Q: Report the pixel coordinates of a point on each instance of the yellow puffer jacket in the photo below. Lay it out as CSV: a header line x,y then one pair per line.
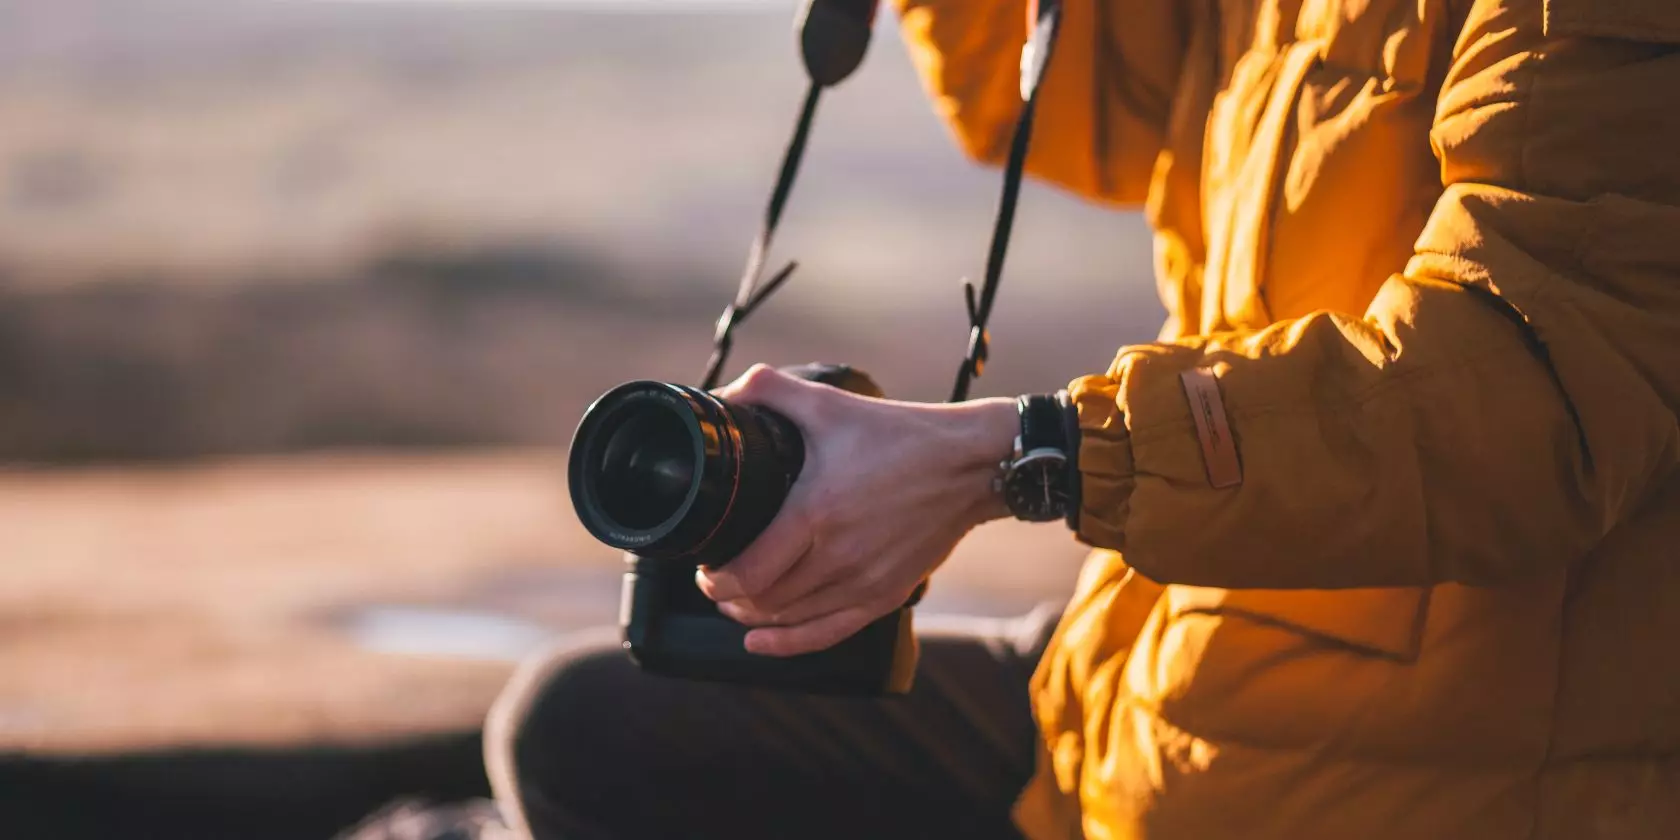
x,y
1428,254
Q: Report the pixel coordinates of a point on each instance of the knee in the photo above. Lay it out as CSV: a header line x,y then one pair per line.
x,y
536,738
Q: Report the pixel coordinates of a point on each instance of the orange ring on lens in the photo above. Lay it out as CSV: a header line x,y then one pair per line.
x,y
735,482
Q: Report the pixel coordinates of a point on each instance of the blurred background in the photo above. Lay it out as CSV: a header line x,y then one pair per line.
x,y
300,301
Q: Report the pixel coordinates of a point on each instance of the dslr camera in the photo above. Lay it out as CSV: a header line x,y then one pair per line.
x,y
681,479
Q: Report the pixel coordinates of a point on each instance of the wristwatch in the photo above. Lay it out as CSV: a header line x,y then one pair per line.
x,y
1038,480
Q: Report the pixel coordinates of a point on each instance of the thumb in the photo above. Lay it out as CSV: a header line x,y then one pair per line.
x,y
769,387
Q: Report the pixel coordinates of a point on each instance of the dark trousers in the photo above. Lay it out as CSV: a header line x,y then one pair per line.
x,y
584,746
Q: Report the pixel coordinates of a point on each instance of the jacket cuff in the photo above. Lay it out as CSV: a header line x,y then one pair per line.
x,y
1103,460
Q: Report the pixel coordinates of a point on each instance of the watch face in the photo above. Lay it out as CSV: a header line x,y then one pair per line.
x,y
1035,489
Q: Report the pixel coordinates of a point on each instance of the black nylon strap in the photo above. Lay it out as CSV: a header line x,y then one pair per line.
x,y
1042,423
1033,62
749,295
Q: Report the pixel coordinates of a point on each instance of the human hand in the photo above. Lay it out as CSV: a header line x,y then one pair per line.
x,y
887,490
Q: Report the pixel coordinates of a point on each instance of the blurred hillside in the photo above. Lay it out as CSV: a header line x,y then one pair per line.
x,y
229,225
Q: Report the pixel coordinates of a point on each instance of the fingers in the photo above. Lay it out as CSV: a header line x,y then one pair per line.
x,y
805,591
801,596
814,635
788,536
763,612
765,560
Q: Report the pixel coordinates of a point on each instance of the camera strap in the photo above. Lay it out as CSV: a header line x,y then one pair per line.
x,y
1043,19
1044,15
749,295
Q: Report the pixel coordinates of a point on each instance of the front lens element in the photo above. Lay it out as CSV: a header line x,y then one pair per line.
x,y
668,471
646,468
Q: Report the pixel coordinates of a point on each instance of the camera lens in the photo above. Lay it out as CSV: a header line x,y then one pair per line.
x,y
668,471
647,466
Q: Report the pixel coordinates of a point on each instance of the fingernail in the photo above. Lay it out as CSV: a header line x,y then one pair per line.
x,y
754,643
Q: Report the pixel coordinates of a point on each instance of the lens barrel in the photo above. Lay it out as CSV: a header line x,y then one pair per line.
x,y
668,471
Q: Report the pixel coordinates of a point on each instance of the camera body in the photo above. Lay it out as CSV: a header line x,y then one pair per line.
x,y
671,629
680,479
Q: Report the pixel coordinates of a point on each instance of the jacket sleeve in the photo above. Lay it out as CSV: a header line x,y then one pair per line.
x,y
1505,401
1104,101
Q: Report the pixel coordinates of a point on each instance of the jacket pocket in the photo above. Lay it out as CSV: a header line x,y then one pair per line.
x,y
1387,623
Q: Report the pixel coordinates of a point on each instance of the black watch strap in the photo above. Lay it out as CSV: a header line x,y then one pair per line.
x,y
1069,417
1042,423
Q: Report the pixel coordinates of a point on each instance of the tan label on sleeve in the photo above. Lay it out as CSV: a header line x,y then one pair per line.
x,y
1219,449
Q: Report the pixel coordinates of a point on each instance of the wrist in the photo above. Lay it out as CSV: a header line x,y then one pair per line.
x,y
978,435
990,428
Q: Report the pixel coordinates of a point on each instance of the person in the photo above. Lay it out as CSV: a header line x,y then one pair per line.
x,y
1384,523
